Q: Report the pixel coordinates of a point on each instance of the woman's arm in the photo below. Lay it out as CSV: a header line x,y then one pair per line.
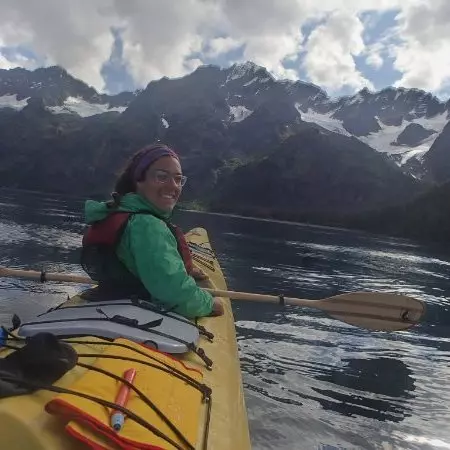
x,y
161,269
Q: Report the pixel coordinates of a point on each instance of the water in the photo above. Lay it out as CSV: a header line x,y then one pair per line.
x,y
310,382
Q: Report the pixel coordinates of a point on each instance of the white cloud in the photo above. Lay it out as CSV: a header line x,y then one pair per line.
x,y
12,60
192,64
271,32
75,35
330,49
159,36
220,45
172,37
5,63
423,55
270,51
374,58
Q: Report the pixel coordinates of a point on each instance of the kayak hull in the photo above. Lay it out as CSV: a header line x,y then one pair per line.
x,y
24,424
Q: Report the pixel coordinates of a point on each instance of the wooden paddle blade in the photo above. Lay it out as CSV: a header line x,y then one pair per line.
x,y
375,310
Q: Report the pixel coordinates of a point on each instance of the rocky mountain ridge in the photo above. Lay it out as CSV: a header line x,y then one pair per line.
x,y
249,143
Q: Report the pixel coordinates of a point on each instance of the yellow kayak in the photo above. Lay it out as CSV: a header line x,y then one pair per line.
x,y
48,420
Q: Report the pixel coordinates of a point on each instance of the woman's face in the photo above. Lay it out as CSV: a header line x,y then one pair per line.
x,y
162,183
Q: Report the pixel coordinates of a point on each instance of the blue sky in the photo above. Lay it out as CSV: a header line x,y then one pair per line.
x,y
387,75
117,77
340,45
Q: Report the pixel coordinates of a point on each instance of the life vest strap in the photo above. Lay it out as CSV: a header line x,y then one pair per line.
x,y
105,235
134,324
140,304
75,414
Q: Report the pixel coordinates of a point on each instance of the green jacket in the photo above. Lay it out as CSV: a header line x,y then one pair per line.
x,y
149,251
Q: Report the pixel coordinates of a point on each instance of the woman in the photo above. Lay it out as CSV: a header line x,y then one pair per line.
x,y
131,243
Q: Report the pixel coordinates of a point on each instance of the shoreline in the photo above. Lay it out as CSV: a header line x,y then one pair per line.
x,y
286,222
97,196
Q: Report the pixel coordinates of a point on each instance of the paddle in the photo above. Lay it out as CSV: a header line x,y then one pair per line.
x,y
371,310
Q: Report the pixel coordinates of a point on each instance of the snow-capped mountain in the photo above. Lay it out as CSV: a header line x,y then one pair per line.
x,y
401,123
249,143
60,92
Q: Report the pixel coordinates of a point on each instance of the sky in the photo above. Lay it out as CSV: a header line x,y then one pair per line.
x,y
340,45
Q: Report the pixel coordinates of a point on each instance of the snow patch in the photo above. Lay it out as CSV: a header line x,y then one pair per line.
x,y
164,122
251,81
239,113
358,98
397,95
437,122
417,152
254,79
323,120
382,140
10,101
76,105
240,70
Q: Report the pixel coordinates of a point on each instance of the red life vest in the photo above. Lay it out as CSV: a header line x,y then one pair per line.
x,y
101,239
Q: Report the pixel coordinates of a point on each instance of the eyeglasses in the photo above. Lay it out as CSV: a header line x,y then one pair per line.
x,y
163,177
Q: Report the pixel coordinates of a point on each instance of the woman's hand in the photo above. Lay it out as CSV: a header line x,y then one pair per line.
x,y
217,309
198,274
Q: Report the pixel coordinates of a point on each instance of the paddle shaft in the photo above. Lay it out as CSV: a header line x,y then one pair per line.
x,y
324,304
259,297
44,276
371,310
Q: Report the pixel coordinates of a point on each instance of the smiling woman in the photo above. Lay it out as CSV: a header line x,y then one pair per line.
x,y
132,248
161,184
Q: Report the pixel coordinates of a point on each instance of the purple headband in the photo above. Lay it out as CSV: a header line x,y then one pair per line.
x,y
150,157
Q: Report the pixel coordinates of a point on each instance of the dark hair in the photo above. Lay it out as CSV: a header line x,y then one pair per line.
x,y
126,183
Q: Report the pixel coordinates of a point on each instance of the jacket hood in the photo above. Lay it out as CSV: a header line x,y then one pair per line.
x,y
132,202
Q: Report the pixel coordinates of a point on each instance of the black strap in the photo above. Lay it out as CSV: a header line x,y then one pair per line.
x,y
189,345
205,390
202,260
166,312
133,323
112,405
281,299
204,250
143,304
43,276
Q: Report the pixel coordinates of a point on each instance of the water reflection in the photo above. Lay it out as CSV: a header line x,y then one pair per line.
x,y
385,377
311,382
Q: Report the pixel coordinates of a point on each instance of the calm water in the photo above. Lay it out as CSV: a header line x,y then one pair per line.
x,y
310,382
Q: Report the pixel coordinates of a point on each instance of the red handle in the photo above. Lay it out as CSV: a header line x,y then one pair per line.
x,y
124,392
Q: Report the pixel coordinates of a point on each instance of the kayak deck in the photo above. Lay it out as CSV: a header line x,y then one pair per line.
x,y
24,424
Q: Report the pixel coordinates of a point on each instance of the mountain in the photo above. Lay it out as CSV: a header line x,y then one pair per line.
x,y
248,143
314,173
438,157
60,92
427,217
401,123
